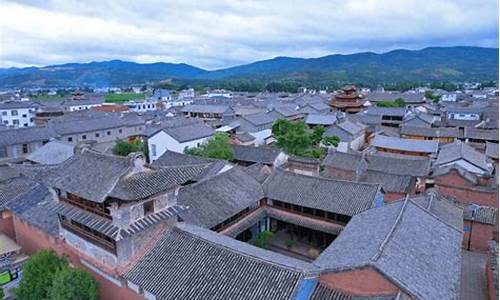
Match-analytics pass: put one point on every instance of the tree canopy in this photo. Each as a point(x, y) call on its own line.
point(38, 275)
point(296, 139)
point(124, 148)
point(216, 147)
point(430, 95)
point(44, 272)
point(72, 283)
point(399, 102)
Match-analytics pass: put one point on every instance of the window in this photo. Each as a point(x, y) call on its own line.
point(84, 137)
point(25, 124)
point(25, 148)
point(13, 112)
point(97, 135)
point(119, 131)
point(4, 113)
point(15, 122)
point(6, 122)
point(25, 115)
point(108, 133)
point(70, 139)
point(149, 207)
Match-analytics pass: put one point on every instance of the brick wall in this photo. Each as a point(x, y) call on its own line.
point(32, 239)
point(455, 186)
point(362, 282)
point(481, 234)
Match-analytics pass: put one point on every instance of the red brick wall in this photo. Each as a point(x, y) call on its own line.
point(338, 173)
point(392, 196)
point(481, 234)
point(455, 186)
point(7, 224)
point(490, 281)
point(362, 282)
point(31, 239)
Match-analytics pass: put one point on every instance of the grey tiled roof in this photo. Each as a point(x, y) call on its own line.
point(389, 182)
point(189, 132)
point(492, 150)
point(317, 119)
point(459, 150)
point(18, 104)
point(411, 247)
point(171, 158)
point(192, 263)
point(214, 200)
point(38, 208)
point(259, 171)
point(481, 134)
point(341, 197)
point(265, 155)
point(95, 176)
point(483, 214)
point(53, 152)
point(12, 188)
point(431, 131)
point(205, 108)
point(261, 118)
point(405, 144)
point(95, 122)
point(386, 111)
point(324, 292)
point(25, 135)
point(439, 206)
point(418, 167)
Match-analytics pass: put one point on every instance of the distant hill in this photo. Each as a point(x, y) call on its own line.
point(429, 64)
point(97, 74)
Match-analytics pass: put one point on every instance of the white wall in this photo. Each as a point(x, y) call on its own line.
point(163, 142)
point(24, 117)
point(260, 136)
point(82, 107)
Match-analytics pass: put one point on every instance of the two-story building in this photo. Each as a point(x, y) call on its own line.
point(18, 113)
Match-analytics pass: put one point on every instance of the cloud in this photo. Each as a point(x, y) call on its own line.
point(220, 33)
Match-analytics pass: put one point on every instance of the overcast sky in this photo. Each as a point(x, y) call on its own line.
point(221, 33)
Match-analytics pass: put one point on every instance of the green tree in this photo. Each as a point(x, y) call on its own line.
point(430, 95)
point(38, 275)
point(263, 238)
point(291, 136)
point(124, 148)
point(72, 283)
point(317, 134)
point(331, 141)
point(400, 102)
point(216, 147)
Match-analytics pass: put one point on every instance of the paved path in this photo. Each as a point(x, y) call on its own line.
point(473, 276)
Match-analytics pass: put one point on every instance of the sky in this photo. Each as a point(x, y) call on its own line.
point(214, 34)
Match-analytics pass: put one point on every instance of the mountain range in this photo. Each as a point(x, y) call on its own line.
point(426, 65)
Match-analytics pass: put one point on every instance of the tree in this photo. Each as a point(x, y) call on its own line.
point(124, 148)
point(331, 141)
point(429, 95)
point(317, 134)
point(263, 239)
point(400, 102)
point(72, 283)
point(38, 275)
point(216, 147)
point(291, 136)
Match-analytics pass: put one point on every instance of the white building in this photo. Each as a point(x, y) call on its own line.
point(18, 113)
point(449, 97)
point(177, 139)
point(187, 93)
point(84, 104)
point(142, 106)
